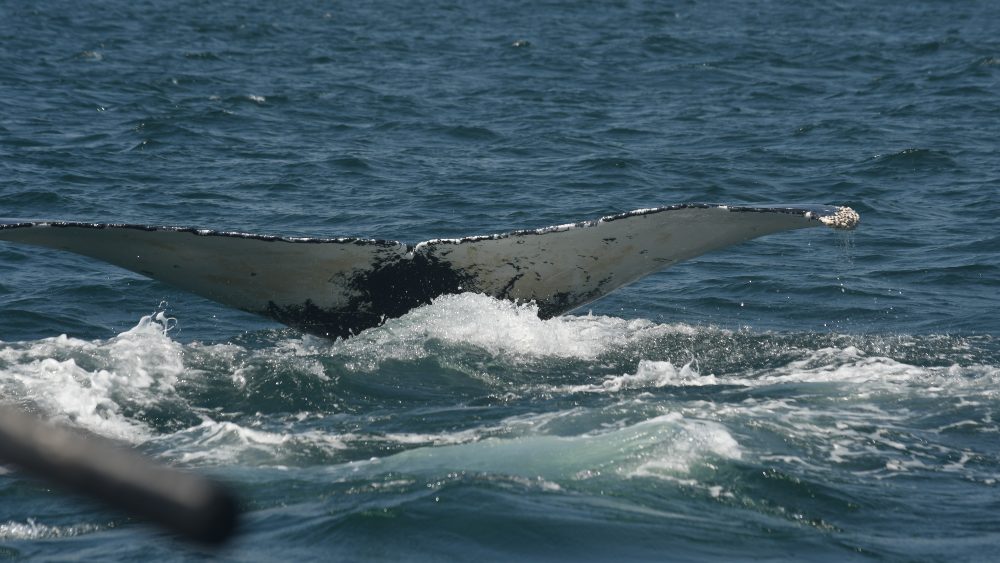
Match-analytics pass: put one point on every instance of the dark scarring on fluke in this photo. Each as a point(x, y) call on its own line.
point(389, 290)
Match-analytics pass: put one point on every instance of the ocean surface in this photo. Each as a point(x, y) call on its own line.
point(807, 395)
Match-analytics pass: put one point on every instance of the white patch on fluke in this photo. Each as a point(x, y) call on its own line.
point(844, 218)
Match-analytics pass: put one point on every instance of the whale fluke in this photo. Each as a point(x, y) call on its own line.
point(336, 287)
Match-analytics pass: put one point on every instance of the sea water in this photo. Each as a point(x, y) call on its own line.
point(807, 395)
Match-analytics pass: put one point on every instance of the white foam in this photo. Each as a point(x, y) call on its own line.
point(228, 442)
point(863, 374)
point(847, 366)
point(500, 327)
point(664, 446)
point(699, 439)
point(32, 530)
point(858, 418)
point(854, 419)
point(86, 383)
point(650, 374)
point(866, 423)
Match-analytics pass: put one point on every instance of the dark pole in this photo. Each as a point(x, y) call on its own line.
point(183, 503)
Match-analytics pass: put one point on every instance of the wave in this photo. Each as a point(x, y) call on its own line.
point(33, 530)
point(910, 159)
point(665, 445)
point(505, 329)
point(476, 385)
point(97, 385)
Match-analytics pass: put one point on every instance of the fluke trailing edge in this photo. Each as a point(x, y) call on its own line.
point(337, 287)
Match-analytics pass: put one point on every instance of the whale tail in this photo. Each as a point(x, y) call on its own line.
point(340, 286)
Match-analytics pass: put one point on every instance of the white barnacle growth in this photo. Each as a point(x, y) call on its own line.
point(844, 218)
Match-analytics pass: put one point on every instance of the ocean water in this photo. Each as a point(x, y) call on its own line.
point(808, 395)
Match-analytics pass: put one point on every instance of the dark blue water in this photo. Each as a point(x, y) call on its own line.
point(805, 395)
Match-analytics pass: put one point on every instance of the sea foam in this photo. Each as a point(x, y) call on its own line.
point(87, 383)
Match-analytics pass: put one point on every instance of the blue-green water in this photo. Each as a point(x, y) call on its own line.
point(806, 395)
